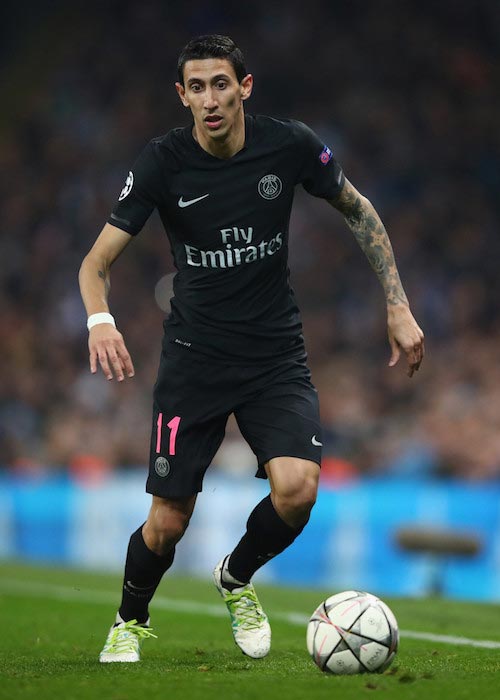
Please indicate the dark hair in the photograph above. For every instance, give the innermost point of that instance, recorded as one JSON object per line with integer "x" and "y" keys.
{"x": 212, "y": 46}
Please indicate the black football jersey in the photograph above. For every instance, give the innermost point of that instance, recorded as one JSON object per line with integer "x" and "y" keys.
{"x": 227, "y": 221}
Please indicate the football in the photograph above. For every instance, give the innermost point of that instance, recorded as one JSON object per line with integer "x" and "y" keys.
{"x": 352, "y": 632}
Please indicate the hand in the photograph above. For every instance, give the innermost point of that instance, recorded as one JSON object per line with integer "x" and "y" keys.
{"x": 405, "y": 333}
{"x": 107, "y": 345}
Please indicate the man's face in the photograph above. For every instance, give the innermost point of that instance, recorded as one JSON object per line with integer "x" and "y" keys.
{"x": 214, "y": 95}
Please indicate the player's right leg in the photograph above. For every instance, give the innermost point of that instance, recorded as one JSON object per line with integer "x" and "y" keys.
{"x": 189, "y": 418}
{"x": 150, "y": 554}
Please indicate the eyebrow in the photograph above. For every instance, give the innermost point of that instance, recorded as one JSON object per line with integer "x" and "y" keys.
{"x": 219, "y": 76}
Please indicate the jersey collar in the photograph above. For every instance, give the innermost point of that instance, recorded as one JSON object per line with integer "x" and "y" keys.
{"x": 194, "y": 145}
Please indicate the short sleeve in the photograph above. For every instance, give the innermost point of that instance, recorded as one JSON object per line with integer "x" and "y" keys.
{"x": 140, "y": 193}
{"x": 320, "y": 175}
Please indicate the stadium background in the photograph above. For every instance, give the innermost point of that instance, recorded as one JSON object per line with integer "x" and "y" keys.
{"x": 407, "y": 96}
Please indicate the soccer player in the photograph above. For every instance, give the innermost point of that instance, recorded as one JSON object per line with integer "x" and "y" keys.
{"x": 233, "y": 341}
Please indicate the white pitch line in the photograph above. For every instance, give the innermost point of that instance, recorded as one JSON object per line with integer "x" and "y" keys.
{"x": 38, "y": 589}
{"x": 450, "y": 639}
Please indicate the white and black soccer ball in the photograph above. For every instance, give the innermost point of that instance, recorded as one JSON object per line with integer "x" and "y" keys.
{"x": 352, "y": 632}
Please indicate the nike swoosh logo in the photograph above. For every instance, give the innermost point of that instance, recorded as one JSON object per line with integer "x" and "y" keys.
{"x": 188, "y": 202}
{"x": 315, "y": 442}
{"x": 138, "y": 588}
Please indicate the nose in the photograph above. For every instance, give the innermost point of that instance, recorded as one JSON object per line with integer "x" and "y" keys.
{"x": 210, "y": 101}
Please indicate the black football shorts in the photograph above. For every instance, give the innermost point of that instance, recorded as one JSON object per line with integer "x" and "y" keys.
{"x": 274, "y": 403}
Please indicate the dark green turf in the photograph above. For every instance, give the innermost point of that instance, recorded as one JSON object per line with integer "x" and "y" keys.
{"x": 49, "y": 647}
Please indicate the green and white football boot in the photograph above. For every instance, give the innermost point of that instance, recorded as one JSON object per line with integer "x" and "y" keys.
{"x": 251, "y": 629}
{"x": 123, "y": 643}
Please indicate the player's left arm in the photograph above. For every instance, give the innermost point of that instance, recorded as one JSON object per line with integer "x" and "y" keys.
{"x": 369, "y": 231}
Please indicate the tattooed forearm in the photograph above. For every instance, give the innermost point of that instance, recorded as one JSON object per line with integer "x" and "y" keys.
{"x": 107, "y": 283}
{"x": 372, "y": 237}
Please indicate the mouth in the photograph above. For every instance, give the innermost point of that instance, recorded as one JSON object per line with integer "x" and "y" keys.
{"x": 213, "y": 121}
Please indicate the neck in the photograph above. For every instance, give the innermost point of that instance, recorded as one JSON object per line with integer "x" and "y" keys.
{"x": 227, "y": 146}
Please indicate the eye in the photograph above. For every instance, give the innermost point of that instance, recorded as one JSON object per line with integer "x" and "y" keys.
{"x": 221, "y": 84}
{"x": 196, "y": 87}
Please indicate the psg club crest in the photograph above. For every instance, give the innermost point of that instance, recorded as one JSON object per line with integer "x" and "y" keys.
{"x": 129, "y": 183}
{"x": 270, "y": 187}
{"x": 162, "y": 467}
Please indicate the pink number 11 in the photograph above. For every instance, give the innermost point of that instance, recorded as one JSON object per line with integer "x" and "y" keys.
{"x": 174, "y": 427}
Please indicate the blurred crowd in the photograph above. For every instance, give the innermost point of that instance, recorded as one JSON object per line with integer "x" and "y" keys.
{"x": 405, "y": 93}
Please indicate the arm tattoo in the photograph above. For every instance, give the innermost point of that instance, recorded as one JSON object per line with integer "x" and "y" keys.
{"x": 107, "y": 284}
{"x": 372, "y": 237}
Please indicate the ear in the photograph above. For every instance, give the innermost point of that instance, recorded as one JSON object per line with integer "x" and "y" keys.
{"x": 182, "y": 94}
{"x": 246, "y": 86}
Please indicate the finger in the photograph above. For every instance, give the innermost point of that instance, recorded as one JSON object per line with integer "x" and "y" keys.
{"x": 127, "y": 361}
{"x": 414, "y": 356}
{"x": 419, "y": 354}
{"x": 116, "y": 363}
{"x": 103, "y": 361}
{"x": 396, "y": 352}
{"x": 93, "y": 361}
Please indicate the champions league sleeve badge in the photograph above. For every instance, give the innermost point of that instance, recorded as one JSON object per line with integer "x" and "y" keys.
{"x": 325, "y": 155}
{"x": 128, "y": 186}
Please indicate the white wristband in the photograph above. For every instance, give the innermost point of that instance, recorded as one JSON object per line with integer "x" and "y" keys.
{"x": 102, "y": 317}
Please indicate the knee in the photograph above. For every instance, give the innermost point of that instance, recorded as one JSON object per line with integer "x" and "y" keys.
{"x": 170, "y": 523}
{"x": 165, "y": 526}
{"x": 303, "y": 497}
{"x": 295, "y": 502}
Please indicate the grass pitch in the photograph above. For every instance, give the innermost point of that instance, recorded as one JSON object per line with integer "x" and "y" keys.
{"x": 54, "y": 623}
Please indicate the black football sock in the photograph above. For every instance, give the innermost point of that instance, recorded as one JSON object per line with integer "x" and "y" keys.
{"x": 267, "y": 535}
{"x": 143, "y": 572}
